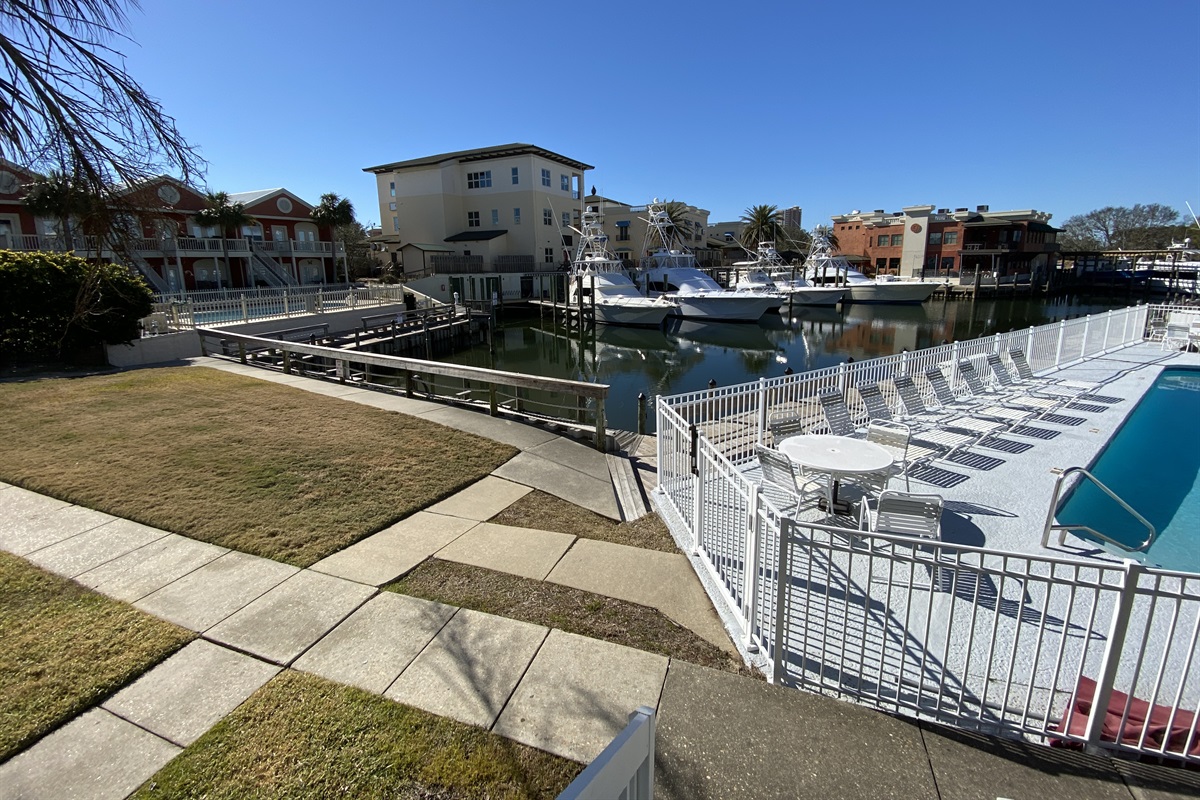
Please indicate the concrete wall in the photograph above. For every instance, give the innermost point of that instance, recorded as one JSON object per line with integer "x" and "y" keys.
{"x": 186, "y": 344}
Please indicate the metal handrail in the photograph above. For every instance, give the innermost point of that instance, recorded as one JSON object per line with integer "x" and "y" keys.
{"x": 1062, "y": 529}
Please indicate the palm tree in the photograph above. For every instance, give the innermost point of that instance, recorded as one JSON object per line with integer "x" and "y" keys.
{"x": 760, "y": 224}
{"x": 333, "y": 212}
{"x": 220, "y": 213}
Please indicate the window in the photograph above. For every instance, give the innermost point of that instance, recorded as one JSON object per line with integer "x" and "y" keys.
{"x": 623, "y": 231}
{"x": 392, "y": 188}
{"x": 1016, "y": 236}
{"x": 566, "y": 219}
{"x": 883, "y": 240}
{"x": 951, "y": 237}
{"x": 565, "y": 183}
{"x": 396, "y": 224}
{"x": 547, "y": 216}
{"x": 894, "y": 263}
{"x": 948, "y": 264}
{"x": 516, "y": 216}
{"x": 549, "y": 255}
{"x": 479, "y": 180}
{"x": 516, "y": 178}
{"x": 935, "y": 238}
{"x": 472, "y": 219}
{"x": 897, "y": 239}
{"x": 495, "y": 216}
{"x": 880, "y": 263}
{"x": 391, "y": 206}
{"x": 545, "y": 177}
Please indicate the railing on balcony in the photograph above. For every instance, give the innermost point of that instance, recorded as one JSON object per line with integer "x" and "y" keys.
{"x": 183, "y": 245}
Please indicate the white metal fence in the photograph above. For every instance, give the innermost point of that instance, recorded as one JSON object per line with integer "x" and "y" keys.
{"x": 625, "y": 769}
{"x": 967, "y": 636}
{"x": 199, "y": 309}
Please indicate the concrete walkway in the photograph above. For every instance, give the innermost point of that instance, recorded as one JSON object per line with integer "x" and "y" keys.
{"x": 720, "y": 735}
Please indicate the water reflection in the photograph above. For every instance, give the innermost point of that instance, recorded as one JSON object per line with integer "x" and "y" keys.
{"x": 690, "y": 354}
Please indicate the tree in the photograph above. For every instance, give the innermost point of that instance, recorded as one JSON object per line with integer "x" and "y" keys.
{"x": 358, "y": 250}
{"x": 226, "y": 216}
{"x": 760, "y": 224}
{"x": 58, "y": 304}
{"x": 1142, "y": 227}
{"x": 334, "y": 211}
{"x": 65, "y": 103}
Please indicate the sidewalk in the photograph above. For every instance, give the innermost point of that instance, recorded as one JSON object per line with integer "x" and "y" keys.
{"x": 720, "y": 735}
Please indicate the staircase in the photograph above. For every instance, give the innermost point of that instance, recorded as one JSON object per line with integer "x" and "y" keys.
{"x": 269, "y": 269}
{"x": 143, "y": 268}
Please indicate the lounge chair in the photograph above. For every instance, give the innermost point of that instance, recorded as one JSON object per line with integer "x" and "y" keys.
{"x": 837, "y": 413}
{"x": 1013, "y": 397}
{"x": 1025, "y": 374}
{"x": 976, "y": 407}
{"x": 787, "y": 490}
{"x": 950, "y": 420}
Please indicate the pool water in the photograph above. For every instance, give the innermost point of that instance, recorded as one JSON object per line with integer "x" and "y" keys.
{"x": 1153, "y": 464}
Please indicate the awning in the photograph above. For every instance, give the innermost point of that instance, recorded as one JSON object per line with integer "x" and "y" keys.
{"x": 474, "y": 236}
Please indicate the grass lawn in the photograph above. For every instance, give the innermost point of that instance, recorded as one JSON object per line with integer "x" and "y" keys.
{"x": 64, "y": 648}
{"x": 304, "y": 737}
{"x": 563, "y": 607}
{"x": 239, "y": 462}
{"x": 548, "y": 513}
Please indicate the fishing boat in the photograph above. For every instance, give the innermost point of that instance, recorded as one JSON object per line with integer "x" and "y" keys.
{"x": 768, "y": 265}
{"x": 825, "y": 267}
{"x": 670, "y": 271}
{"x": 605, "y": 286}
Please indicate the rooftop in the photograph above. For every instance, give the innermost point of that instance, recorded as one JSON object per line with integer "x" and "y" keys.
{"x": 480, "y": 154}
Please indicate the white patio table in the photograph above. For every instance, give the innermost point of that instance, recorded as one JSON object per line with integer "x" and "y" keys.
{"x": 838, "y": 456}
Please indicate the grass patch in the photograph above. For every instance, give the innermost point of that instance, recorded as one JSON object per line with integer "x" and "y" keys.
{"x": 304, "y": 737}
{"x": 64, "y": 648}
{"x": 242, "y": 463}
{"x": 548, "y": 513}
{"x": 562, "y": 607}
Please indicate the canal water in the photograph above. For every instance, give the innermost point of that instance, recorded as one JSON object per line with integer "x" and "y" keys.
{"x": 688, "y": 355}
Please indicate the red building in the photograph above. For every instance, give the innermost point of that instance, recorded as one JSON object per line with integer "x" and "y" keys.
{"x": 919, "y": 241}
{"x": 283, "y": 247}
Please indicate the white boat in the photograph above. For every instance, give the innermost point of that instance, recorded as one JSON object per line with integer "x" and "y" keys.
{"x": 824, "y": 267}
{"x": 786, "y": 281}
{"x": 605, "y": 285}
{"x": 670, "y": 271}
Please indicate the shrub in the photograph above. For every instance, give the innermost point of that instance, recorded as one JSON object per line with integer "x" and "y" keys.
{"x": 59, "y": 305}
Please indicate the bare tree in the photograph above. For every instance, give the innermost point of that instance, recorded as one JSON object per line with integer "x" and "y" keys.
{"x": 1142, "y": 227}
{"x": 66, "y": 102}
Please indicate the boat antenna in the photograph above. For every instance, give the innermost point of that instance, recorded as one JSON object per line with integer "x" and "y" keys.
{"x": 1193, "y": 213}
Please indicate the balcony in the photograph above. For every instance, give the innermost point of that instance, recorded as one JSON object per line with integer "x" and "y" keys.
{"x": 184, "y": 246}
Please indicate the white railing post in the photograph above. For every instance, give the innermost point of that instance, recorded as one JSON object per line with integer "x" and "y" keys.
{"x": 762, "y": 408}
{"x": 750, "y": 570}
{"x": 954, "y": 356}
{"x": 1087, "y": 327}
{"x": 245, "y": 311}
{"x": 1062, "y": 332}
{"x": 782, "y": 582}
{"x": 1029, "y": 344}
{"x": 1107, "y": 330}
{"x": 1111, "y": 660}
{"x": 843, "y": 377}
{"x": 698, "y": 501}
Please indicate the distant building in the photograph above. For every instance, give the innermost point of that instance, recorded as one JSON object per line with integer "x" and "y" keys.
{"x": 626, "y": 227}
{"x": 174, "y": 253}
{"x": 920, "y": 241}
{"x": 494, "y": 209}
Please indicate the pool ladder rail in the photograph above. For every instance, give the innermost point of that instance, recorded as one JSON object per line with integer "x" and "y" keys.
{"x": 1062, "y": 529}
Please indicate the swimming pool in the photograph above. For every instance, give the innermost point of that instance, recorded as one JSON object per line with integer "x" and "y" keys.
{"x": 1153, "y": 463}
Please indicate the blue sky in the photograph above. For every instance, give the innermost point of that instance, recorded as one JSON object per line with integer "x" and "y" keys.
{"x": 1058, "y": 105}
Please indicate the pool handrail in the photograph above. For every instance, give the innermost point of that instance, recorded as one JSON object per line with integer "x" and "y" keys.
{"x": 1062, "y": 529}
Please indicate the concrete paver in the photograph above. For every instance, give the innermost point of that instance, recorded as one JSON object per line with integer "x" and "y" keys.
{"x": 469, "y": 670}
{"x": 579, "y": 457}
{"x": 94, "y": 547}
{"x": 578, "y": 693}
{"x": 96, "y": 756}
{"x": 149, "y": 568}
{"x": 388, "y": 402}
{"x": 517, "y": 434}
{"x": 969, "y": 765}
{"x": 27, "y": 526}
{"x": 481, "y": 500}
{"x": 1158, "y": 781}
{"x": 216, "y": 590}
{"x": 526, "y": 552}
{"x": 385, "y": 556}
{"x": 569, "y": 484}
{"x": 665, "y": 581}
{"x": 288, "y": 619}
{"x": 724, "y": 736}
{"x": 191, "y": 691}
{"x": 377, "y": 641}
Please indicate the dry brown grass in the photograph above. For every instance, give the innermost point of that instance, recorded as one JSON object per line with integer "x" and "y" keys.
{"x": 562, "y": 607}
{"x": 548, "y": 513}
{"x": 239, "y": 462}
{"x": 64, "y": 648}
{"x": 303, "y": 737}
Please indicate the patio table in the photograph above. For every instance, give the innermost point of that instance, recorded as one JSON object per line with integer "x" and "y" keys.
{"x": 838, "y": 456}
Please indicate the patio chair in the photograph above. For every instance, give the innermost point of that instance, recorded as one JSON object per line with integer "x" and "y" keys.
{"x": 787, "y": 490}
{"x": 913, "y": 515}
{"x": 896, "y": 439}
{"x": 837, "y": 413}
{"x": 1025, "y": 373}
{"x": 784, "y": 424}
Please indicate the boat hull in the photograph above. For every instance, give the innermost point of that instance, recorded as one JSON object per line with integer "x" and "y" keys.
{"x": 634, "y": 316}
{"x": 724, "y": 308}
{"x": 816, "y": 296}
{"x": 891, "y": 292}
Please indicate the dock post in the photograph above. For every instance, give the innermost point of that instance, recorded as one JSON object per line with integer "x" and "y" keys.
{"x": 242, "y": 352}
{"x": 600, "y": 434}
{"x": 287, "y": 362}
{"x": 641, "y": 417}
